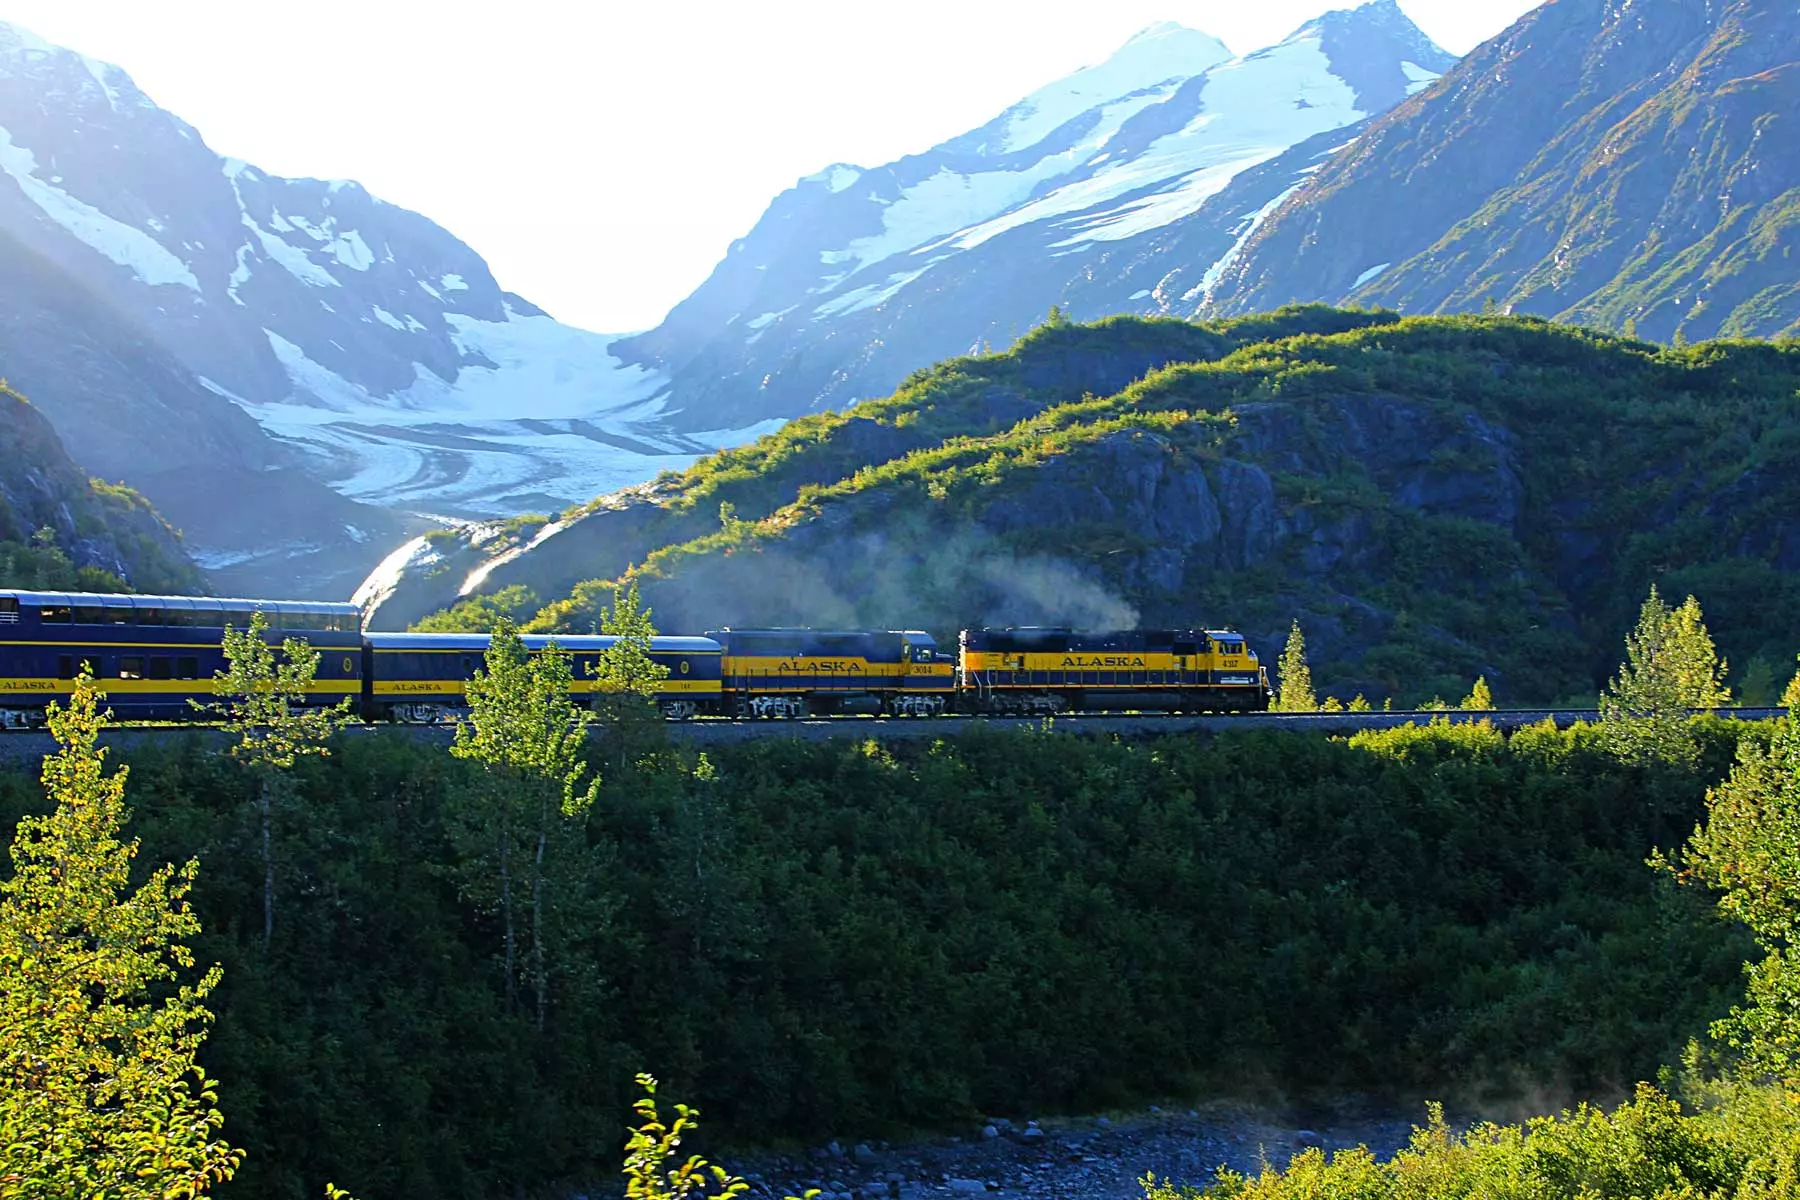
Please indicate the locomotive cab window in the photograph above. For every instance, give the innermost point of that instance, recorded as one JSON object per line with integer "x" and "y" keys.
{"x": 9, "y": 610}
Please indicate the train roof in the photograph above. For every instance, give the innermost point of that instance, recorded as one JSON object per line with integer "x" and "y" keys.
{"x": 1067, "y": 631}
{"x": 810, "y": 629}
{"x": 581, "y": 642}
{"x": 191, "y": 603}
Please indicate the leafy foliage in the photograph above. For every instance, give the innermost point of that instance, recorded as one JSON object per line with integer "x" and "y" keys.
{"x": 651, "y": 1149}
{"x": 1749, "y": 849}
{"x": 1646, "y": 1149}
{"x": 1670, "y": 669}
{"x": 526, "y": 735}
{"x": 262, "y": 703}
{"x": 100, "y": 1091}
{"x": 481, "y": 613}
{"x": 819, "y": 939}
{"x": 1294, "y": 691}
{"x": 43, "y": 566}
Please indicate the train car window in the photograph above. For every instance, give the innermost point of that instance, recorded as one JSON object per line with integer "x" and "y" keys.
{"x": 89, "y": 614}
{"x": 187, "y": 668}
{"x": 131, "y": 667}
{"x": 65, "y": 666}
{"x": 161, "y": 668}
{"x": 56, "y": 614}
{"x": 236, "y": 618}
{"x": 114, "y": 615}
{"x": 150, "y": 616}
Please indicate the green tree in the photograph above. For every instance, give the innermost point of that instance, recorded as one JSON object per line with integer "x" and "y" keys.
{"x": 263, "y": 700}
{"x": 1749, "y": 849}
{"x": 1756, "y": 686}
{"x": 1671, "y": 668}
{"x": 526, "y": 734}
{"x": 1480, "y": 697}
{"x": 1294, "y": 690}
{"x": 626, "y": 678}
{"x": 100, "y": 1093}
{"x": 653, "y": 1171}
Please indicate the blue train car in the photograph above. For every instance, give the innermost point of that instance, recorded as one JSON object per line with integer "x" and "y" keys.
{"x": 151, "y": 655}
{"x": 420, "y": 677}
{"x": 797, "y": 672}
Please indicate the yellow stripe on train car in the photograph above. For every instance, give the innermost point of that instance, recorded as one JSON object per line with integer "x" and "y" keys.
{"x": 163, "y": 687}
{"x": 456, "y": 687}
{"x": 825, "y": 665}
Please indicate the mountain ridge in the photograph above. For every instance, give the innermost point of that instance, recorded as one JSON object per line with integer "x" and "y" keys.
{"x": 1616, "y": 166}
{"x": 855, "y": 277}
{"x": 344, "y": 341}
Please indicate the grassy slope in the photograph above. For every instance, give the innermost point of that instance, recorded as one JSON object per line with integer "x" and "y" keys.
{"x": 1635, "y": 464}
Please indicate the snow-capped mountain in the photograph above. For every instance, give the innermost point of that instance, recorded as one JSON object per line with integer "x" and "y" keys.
{"x": 372, "y": 345}
{"x": 1148, "y": 170}
{"x": 1622, "y": 165}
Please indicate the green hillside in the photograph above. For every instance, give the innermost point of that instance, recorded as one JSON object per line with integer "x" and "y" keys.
{"x": 1434, "y": 498}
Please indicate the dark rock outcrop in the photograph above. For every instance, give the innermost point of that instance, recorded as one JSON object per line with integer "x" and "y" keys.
{"x": 45, "y": 497}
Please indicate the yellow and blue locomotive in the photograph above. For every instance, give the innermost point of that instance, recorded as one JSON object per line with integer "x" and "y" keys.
{"x": 1038, "y": 670}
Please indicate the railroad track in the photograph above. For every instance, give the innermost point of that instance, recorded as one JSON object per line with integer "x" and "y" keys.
{"x": 18, "y": 745}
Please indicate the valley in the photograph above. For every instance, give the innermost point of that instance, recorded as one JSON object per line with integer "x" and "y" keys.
{"x": 842, "y": 697}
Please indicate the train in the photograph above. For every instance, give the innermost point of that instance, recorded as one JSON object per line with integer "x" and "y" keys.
{"x": 155, "y": 658}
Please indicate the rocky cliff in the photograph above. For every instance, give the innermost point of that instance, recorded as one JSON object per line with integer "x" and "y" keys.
{"x": 59, "y": 529}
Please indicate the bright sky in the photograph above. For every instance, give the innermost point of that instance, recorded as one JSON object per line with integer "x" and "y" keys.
{"x": 602, "y": 155}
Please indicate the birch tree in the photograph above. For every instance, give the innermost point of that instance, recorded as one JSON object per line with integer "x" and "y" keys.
{"x": 1294, "y": 690}
{"x": 100, "y": 1022}
{"x": 262, "y": 698}
{"x": 526, "y": 735}
{"x": 626, "y": 677}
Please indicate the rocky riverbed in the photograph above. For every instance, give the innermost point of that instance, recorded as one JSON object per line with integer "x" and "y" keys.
{"x": 1095, "y": 1158}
